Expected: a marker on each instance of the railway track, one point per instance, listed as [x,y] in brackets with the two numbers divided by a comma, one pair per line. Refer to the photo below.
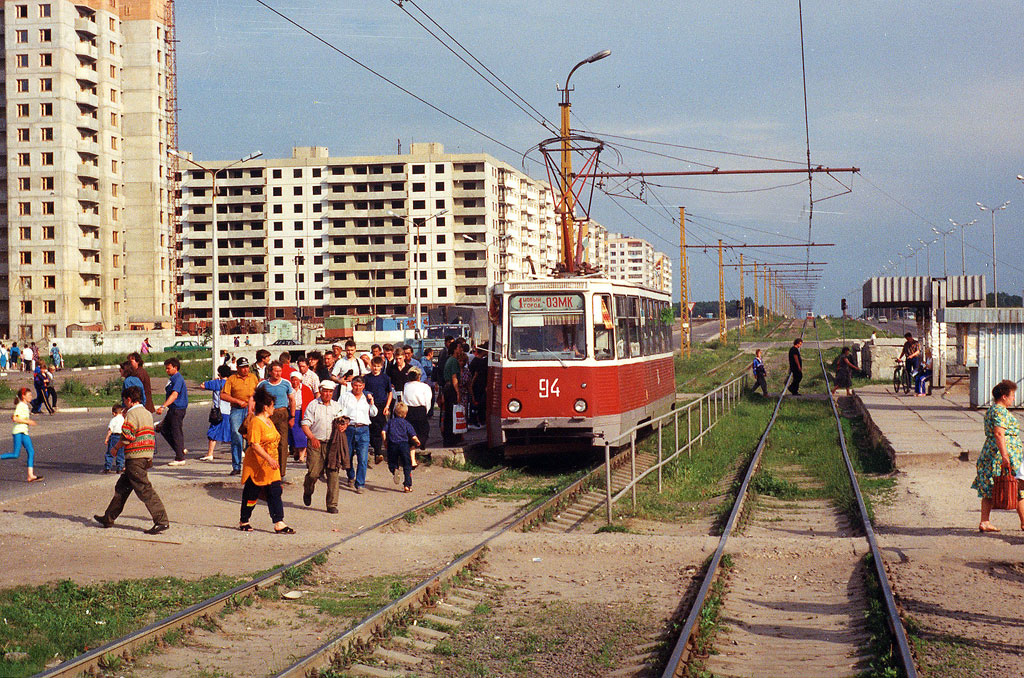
[793,589]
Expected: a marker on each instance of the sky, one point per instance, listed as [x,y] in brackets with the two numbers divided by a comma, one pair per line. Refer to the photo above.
[925,98]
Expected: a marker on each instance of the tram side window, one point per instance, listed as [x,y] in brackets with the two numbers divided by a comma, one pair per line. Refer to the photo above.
[622,326]
[634,327]
[604,328]
[666,329]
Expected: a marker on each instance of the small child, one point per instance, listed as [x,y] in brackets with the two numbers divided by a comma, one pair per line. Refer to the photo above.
[399,435]
[112,439]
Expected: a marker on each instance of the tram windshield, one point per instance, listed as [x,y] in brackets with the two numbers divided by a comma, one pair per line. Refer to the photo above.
[547,327]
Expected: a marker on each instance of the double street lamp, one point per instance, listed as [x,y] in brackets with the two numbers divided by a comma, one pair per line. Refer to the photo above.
[995,282]
[413,226]
[215,270]
[963,255]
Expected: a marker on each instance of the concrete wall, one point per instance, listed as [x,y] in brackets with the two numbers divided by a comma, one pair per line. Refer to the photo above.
[878,356]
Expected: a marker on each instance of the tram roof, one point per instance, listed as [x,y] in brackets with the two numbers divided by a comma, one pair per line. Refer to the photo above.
[581,284]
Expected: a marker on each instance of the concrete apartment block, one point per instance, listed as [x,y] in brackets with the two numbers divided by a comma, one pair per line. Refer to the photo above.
[75,150]
[325,235]
[636,260]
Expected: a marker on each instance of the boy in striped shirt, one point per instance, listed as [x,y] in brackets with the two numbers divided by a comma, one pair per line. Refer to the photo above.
[138,439]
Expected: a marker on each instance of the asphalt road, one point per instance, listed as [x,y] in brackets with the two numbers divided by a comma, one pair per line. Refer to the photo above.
[69,448]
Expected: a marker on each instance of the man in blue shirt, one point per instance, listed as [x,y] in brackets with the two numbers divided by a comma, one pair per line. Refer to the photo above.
[175,406]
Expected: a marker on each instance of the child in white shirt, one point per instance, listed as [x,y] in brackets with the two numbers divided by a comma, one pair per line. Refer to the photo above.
[111,441]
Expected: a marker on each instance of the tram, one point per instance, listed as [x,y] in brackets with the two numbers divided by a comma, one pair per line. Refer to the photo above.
[575,362]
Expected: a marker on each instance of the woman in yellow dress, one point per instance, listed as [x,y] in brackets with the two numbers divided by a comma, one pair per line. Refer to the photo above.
[261,474]
[1002,448]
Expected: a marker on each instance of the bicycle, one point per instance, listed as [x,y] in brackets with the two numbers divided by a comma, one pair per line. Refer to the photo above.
[901,378]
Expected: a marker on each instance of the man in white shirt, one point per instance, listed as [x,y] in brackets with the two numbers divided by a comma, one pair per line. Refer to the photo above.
[348,363]
[358,407]
[26,357]
[317,422]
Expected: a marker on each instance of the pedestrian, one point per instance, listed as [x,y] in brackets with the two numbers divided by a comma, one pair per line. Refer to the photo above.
[796,366]
[236,341]
[238,392]
[318,424]
[359,408]
[15,357]
[286,365]
[1002,450]
[348,364]
[401,438]
[3,356]
[50,393]
[139,371]
[844,371]
[760,372]
[22,420]
[478,388]
[912,352]
[55,355]
[39,377]
[146,347]
[247,342]
[26,358]
[261,472]
[450,397]
[301,397]
[176,405]
[924,375]
[219,431]
[427,363]
[419,397]
[398,373]
[464,379]
[316,366]
[128,374]
[308,375]
[388,351]
[283,416]
[114,461]
[379,386]
[138,440]
[262,361]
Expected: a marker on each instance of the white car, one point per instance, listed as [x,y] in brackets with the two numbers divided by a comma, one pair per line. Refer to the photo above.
[882,319]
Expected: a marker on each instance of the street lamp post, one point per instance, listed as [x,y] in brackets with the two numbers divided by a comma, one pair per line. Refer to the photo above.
[414,288]
[995,281]
[963,255]
[916,258]
[215,269]
[936,231]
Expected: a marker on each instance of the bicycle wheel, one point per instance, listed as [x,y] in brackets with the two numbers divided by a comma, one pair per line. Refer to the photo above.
[908,381]
[897,379]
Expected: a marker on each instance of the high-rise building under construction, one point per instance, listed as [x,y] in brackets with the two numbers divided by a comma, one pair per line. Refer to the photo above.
[87,220]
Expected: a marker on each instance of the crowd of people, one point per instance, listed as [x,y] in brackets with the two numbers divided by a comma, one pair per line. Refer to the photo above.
[327,411]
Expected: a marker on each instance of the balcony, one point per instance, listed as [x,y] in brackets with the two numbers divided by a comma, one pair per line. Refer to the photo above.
[90,171]
[85,26]
[90,267]
[89,123]
[87,316]
[86,98]
[88,145]
[242,268]
[88,195]
[93,291]
[87,50]
[84,74]
[89,243]
[88,219]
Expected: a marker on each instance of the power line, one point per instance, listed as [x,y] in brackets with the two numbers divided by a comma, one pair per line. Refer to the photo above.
[387,79]
[697,148]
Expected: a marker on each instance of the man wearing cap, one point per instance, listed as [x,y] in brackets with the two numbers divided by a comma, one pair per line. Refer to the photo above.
[317,422]
[239,389]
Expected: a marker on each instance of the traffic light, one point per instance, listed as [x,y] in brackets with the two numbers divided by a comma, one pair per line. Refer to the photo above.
[842,305]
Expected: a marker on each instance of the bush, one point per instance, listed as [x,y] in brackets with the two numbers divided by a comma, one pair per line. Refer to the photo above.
[112,388]
[74,387]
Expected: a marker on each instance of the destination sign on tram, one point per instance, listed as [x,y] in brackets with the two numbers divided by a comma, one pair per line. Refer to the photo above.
[546,303]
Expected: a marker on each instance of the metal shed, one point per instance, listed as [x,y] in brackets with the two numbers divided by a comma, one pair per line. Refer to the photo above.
[992,344]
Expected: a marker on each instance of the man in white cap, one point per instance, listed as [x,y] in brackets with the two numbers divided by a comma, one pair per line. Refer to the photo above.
[317,423]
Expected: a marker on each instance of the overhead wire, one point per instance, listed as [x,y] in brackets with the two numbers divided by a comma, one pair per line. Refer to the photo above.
[388,80]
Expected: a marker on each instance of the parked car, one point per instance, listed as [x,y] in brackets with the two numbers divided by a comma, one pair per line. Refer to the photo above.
[285,342]
[882,319]
[185,345]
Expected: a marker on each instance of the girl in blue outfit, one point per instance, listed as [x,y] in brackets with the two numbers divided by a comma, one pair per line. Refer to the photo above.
[757,367]
[221,431]
[22,420]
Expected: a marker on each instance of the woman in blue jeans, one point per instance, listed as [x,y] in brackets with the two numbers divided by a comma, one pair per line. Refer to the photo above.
[22,420]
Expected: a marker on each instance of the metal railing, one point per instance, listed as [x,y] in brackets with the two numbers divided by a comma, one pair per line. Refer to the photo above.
[710,408]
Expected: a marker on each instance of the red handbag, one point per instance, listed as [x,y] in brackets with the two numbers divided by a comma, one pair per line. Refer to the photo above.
[1004,491]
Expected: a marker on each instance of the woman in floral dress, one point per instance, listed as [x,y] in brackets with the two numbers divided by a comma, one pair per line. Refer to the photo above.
[1002,448]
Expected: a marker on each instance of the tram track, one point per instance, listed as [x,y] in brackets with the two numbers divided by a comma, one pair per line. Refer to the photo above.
[794,586]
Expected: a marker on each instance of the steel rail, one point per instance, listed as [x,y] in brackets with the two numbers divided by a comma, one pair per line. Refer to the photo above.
[681,651]
[375,624]
[892,612]
[91,659]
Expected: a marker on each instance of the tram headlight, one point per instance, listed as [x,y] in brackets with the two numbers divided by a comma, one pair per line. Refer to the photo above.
[580,405]
[514,406]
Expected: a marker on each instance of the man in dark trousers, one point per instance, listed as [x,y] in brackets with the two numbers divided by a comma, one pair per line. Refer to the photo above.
[176,405]
[796,366]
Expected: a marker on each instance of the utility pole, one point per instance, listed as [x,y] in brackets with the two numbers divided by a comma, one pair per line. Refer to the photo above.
[764,299]
[743,301]
[684,292]
[757,311]
[722,327]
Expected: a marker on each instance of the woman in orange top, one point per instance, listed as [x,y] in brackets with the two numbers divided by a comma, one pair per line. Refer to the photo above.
[261,474]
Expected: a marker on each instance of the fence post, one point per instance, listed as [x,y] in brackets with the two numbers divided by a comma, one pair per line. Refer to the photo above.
[632,466]
[689,432]
[608,482]
[675,450]
[661,425]
[700,420]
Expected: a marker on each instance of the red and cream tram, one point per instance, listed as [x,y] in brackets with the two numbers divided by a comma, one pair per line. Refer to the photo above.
[575,362]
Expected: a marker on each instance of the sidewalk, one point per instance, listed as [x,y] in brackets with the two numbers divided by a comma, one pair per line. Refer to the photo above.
[939,427]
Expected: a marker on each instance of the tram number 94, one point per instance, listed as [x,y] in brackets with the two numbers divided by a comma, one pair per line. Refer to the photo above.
[548,388]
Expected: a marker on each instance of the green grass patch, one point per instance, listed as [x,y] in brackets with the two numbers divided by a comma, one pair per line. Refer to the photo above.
[615,527]
[65,619]
[765,482]
[945,655]
[693,372]
[357,598]
[885,663]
